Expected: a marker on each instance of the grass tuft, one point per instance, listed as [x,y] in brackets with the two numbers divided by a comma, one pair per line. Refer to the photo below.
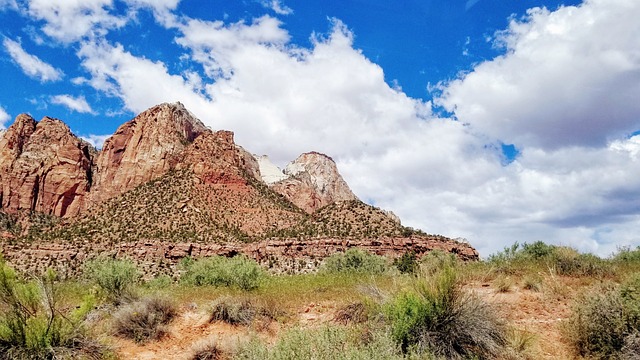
[144,319]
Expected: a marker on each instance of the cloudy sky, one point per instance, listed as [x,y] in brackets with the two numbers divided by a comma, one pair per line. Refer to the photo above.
[496,121]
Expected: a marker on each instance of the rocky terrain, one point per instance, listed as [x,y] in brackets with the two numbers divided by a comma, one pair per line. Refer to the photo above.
[164,181]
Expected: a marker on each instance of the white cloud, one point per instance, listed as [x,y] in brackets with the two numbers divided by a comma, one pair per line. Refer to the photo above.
[78,104]
[439,175]
[277,6]
[118,73]
[4,117]
[95,140]
[8,4]
[31,65]
[71,20]
[569,77]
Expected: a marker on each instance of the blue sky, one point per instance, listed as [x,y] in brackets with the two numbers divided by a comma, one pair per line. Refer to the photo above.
[496,121]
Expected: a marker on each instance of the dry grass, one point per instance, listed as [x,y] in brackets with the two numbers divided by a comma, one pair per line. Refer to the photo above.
[145,319]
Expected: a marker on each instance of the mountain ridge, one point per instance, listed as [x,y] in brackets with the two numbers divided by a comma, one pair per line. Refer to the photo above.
[165,177]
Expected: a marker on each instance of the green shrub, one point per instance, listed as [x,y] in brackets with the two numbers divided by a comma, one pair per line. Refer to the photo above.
[325,343]
[438,318]
[567,261]
[114,277]
[238,271]
[599,323]
[355,261]
[537,250]
[627,255]
[33,325]
[407,263]
[144,319]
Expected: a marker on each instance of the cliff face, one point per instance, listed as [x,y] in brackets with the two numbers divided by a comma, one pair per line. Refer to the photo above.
[313,181]
[164,177]
[143,149]
[44,168]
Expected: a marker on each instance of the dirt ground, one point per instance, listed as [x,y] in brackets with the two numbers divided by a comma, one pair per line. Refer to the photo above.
[536,315]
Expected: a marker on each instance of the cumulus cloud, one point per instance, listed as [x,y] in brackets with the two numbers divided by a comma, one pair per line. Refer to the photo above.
[31,65]
[569,113]
[4,117]
[78,104]
[69,21]
[569,77]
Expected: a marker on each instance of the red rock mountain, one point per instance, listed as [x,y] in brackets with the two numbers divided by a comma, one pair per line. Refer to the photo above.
[165,177]
[44,168]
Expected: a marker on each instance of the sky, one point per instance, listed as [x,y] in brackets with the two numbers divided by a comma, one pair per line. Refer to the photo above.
[496,121]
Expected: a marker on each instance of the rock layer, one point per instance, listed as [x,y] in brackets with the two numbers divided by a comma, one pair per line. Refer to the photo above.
[157,257]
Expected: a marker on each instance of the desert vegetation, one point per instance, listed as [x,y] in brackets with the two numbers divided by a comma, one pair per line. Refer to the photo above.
[530,301]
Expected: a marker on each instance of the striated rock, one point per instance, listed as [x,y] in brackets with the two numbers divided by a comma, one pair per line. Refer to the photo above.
[280,255]
[313,181]
[44,167]
[143,149]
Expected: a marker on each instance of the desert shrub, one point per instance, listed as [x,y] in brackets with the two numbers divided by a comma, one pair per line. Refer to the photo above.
[435,261]
[407,263]
[33,325]
[631,348]
[600,322]
[145,319]
[233,311]
[355,261]
[503,284]
[628,255]
[325,343]
[354,313]
[115,278]
[438,317]
[532,282]
[160,282]
[238,271]
[567,261]
[537,250]
[206,350]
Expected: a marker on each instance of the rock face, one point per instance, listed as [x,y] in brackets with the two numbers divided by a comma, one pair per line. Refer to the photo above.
[165,186]
[313,181]
[143,149]
[44,167]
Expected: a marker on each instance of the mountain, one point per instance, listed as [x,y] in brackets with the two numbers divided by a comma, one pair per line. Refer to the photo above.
[166,180]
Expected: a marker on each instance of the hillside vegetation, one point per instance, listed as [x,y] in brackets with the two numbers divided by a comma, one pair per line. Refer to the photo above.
[530,301]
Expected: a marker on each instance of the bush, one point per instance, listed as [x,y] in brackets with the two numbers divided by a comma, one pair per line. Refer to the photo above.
[206,350]
[234,312]
[145,319]
[355,261]
[438,318]
[355,313]
[325,343]
[34,326]
[567,261]
[114,277]
[238,271]
[601,322]
[407,263]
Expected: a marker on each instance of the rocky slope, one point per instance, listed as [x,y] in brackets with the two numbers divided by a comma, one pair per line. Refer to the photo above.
[165,177]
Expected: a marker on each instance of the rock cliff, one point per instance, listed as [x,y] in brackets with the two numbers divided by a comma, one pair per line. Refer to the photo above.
[164,178]
[143,149]
[312,181]
[44,168]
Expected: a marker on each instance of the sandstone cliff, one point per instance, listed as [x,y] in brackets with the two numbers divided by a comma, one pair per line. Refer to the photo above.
[143,149]
[165,178]
[44,168]
[312,181]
